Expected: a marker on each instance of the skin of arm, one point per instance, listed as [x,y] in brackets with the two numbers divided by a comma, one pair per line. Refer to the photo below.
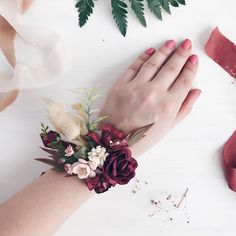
[158,84]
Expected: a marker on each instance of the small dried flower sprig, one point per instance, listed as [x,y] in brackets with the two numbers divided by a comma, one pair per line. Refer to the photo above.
[100,157]
[170,204]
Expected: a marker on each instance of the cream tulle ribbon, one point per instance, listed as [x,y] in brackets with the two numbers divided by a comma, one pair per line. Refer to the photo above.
[28,40]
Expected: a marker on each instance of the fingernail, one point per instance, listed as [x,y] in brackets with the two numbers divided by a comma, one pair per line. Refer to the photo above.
[186,44]
[193,59]
[150,51]
[170,44]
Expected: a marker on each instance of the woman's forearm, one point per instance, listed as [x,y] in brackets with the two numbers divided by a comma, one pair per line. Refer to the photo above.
[151,94]
[43,206]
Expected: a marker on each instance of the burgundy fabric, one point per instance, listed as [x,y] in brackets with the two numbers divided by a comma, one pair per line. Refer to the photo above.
[222,51]
[229,161]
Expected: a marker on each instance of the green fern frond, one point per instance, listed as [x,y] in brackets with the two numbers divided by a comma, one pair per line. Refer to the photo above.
[165,5]
[85,9]
[138,8]
[174,3]
[181,2]
[120,12]
[155,7]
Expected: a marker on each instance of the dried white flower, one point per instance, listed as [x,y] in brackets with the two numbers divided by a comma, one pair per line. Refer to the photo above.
[97,156]
[61,120]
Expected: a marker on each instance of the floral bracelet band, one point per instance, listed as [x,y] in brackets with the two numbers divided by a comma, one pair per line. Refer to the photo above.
[99,156]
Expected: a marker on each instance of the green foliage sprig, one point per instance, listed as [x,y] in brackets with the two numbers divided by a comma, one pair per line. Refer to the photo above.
[120,10]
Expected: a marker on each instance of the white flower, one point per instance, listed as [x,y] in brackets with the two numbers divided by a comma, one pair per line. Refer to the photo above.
[97,156]
[82,169]
[69,151]
[68,169]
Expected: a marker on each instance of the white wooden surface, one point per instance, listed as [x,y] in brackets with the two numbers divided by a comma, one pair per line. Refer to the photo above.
[188,157]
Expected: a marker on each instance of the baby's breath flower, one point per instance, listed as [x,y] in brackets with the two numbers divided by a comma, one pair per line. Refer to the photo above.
[98,156]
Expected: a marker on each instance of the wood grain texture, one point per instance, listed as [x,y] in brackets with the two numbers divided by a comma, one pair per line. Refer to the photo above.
[188,157]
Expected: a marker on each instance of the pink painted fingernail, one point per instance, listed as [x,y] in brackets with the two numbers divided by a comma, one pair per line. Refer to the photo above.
[193,59]
[150,51]
[170,44]
[186,44]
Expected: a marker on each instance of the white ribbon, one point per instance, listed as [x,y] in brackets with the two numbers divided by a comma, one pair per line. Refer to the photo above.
[40,55]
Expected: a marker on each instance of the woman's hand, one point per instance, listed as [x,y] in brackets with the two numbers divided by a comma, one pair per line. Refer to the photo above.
[156,88]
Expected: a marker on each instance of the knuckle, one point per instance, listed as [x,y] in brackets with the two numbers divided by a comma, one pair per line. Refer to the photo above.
[185,81]
[190,68]
[163,52]
[151,64]
[171,68]
[143,58]
[134,68]
[181,54]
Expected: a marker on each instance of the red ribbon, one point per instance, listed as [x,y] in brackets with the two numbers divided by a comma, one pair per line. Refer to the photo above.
[222,51]
[229,161]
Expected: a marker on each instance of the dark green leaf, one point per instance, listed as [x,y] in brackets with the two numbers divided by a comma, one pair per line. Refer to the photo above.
[181,2]
[137,7]
[119,13]
[92,127]
[47,161]
[155,8]
[82,153]
[165,5]
[173,3]
[85,9]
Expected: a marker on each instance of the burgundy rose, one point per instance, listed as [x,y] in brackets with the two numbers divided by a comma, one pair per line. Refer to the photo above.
[53,136]
[110,138]
[120,167]
[99,183]
[49,138]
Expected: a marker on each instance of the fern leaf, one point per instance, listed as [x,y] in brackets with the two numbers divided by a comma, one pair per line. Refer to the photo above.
[165,5]
[173,3]
[181,2]
[155,7]
[138,8]
[85,9]
[119,13]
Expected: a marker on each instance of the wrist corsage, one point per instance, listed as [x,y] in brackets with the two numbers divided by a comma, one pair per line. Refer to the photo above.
[98,155]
